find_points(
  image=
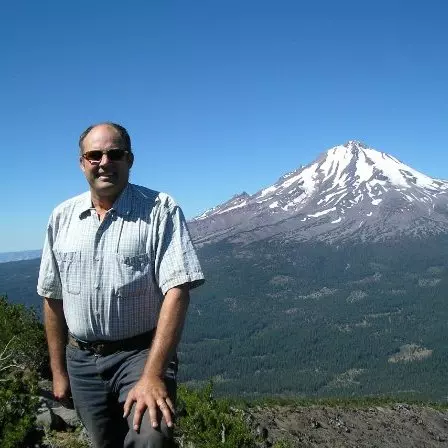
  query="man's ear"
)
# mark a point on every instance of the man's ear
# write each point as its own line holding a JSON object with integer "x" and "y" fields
{"x": 130, "y": 159}
{"x": 81, "y": 164}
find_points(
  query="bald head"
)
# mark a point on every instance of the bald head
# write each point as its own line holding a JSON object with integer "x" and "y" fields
{"x": 122, "y": 134}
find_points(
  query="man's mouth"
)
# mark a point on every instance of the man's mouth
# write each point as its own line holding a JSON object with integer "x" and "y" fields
{"x": 106, "y": 176}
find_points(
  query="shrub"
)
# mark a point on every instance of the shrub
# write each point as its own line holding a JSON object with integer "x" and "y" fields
{"x": 209, "y": 423}
{"x": 18, "y": 403}
{"x": 21, "y": 328}
{"x": 22, "y": 356}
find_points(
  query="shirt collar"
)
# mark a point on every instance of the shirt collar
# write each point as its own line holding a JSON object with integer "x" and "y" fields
{"x": 122, "y": 205}
{"x": 85, "y": 205}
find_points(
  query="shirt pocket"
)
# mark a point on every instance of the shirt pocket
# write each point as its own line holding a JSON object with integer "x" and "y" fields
{"x": 70, "y": 271}
{"x": 133, "y": 275}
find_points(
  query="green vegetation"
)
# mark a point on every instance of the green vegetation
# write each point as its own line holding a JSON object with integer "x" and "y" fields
{"x": 311, "y": 320}
{"x": 22, "y": 357}
{"x": 282, "y": 444}
{"x": 18, "y": 407}
{"x": 22, "y": 331}
{"x": 356, "y": 402}
{"x": 66, "y": 439}
{"x": 206, "y": 422}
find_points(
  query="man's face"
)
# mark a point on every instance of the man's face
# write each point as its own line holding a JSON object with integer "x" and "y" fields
{"x": 106, "y": 178}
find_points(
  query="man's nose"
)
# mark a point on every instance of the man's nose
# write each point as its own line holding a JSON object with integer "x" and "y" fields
{"x": 104, "y": 159}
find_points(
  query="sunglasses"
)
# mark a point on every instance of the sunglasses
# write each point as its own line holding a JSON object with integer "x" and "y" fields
{"x": 114, "y": 155}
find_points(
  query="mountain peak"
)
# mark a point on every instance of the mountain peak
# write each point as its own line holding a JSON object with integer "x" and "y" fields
{"x": 355, "y": 144}
{"x": 349, "y": 189}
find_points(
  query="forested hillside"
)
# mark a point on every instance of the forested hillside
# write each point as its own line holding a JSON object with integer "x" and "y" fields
{"x": 321, "y": 320}
{"x": 18, "y": 280}
{"x": 307, "y": 319}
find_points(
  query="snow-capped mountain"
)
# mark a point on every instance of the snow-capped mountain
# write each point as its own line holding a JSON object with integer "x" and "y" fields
{"x": 237, "y": 201}
{"x": 350, "y": 191}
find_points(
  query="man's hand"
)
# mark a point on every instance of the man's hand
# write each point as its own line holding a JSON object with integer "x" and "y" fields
{"x": 149, "y": 393}
{"x": 150, "y": 390}
{"x": 61, "y": 387}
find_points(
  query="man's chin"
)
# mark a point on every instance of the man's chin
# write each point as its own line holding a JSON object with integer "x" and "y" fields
{"x": 107, "y": 188}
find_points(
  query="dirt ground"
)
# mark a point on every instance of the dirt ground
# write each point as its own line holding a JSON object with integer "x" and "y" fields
{"x": 399, "y": 425}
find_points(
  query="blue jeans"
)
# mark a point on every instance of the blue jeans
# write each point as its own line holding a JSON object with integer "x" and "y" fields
{"x": 100, "y": 385}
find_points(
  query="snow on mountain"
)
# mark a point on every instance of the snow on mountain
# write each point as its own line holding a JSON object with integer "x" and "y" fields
{"x": 349, "y": 189}
{"x": 237, "y": 201}
{"x": 346, "y": 175}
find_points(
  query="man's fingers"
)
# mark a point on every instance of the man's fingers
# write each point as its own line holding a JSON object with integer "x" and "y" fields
{"x": 61, "y": 395}
{"x": 127, "y": 405}
{"x": 171, "y": 405}
{"x": 152, "y": 410}
{"x": 166, "y": 411}
{"x": 138, "y": 414}
{"x": 154, "y": 399}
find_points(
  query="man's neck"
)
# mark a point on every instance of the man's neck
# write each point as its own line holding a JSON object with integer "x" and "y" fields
{"x": 103, "y": 204}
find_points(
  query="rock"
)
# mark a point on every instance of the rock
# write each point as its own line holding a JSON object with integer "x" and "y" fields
{"x": 389, "y": 426}
{"x": 262, "y": 432}
{"x": 68, "y": 415}
{"x": 46, "y": 417}
{"x": 53, "y": 415}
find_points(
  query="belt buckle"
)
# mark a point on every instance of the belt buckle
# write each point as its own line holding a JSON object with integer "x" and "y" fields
{"x": 97, "y": 348}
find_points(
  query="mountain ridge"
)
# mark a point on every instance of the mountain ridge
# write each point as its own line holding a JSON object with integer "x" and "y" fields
{"x": 6, "y": 257}
{"x": 350, "y": 191}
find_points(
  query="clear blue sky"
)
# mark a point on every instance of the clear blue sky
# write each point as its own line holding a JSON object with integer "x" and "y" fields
{"x": 219, "y": 96}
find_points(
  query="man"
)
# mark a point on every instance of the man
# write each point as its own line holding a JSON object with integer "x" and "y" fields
{"x": 115, "y": 275}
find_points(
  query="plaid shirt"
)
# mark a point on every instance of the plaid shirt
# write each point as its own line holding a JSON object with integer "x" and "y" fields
{"x": 113, "y": 275}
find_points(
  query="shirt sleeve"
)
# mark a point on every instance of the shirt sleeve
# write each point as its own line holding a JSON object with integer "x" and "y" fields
{"x": 176, "y": 262}
{"x": 49, "y": 282}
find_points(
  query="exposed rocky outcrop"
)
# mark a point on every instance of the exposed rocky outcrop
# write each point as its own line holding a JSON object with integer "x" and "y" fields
{"x": 57, "y": 417}
{"x": 398, "y": 425}
{"x": 315, "y": 426}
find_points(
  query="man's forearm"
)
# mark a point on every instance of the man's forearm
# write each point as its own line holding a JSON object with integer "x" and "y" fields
{"x": 169, "y": 330}
{"x": 56, "y": 331}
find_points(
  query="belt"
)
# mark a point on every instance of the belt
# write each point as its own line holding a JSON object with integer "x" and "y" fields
{"x": 103, "y": 348}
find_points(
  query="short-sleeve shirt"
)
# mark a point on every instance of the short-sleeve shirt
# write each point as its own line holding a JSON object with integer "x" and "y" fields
{"x": 112, "y": 275}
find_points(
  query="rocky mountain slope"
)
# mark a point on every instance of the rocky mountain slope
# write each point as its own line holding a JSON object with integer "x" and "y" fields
{"x": 385, "y": 426}
{"x": 350, "y": 192}
{"x": 348, "y": 425}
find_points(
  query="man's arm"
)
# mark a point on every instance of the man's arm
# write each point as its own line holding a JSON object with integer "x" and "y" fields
{"x": 56, "y": 330}
{"x": 150, "y": 391}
